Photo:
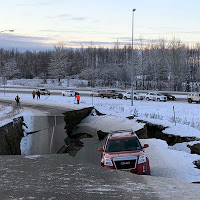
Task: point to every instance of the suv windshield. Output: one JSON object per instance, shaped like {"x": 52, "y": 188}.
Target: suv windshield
{"x": 123, "y": 145}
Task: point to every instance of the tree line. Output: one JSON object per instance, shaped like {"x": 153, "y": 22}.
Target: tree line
{"x": 162, "y": 65}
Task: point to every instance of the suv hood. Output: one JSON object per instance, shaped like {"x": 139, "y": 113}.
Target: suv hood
{"x": 124, "y": 154}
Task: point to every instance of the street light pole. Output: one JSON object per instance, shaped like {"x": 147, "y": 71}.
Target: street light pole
{"x": 132, "y": 59}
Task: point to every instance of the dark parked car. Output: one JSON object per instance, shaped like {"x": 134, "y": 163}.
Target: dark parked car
{"x": 169, "y": 96}
{"x": 110, "y": 94}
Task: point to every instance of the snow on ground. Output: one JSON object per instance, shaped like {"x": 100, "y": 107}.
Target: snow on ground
{"x": 186, "y": 123}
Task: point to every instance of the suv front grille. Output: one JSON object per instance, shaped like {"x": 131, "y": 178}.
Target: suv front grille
{"x": 125, "y": 163}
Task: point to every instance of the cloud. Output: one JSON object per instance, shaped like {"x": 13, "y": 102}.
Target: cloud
{"x": 68, "y": 17}
{"x": 91, "y": 32}
{"x": 168, "y": 30}
{"x": 24, "y": 43}
{"x": 78, "y": 18}
{"x": 56, "y": 31}
{"x": 61, "y": 16}
{"x": 37, "y": 3}
{"x": 88, "y": 43}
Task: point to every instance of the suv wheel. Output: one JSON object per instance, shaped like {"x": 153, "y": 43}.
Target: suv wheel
{"x": 125, "y": 98}
{"x": 135, "y": 98}
{"x": 158, "y": 99}
{"x": 189, "y": 100}
{"x": 102, "y": 96}
{"x": 63, "y": 95}
{"x": 147, "y": 98}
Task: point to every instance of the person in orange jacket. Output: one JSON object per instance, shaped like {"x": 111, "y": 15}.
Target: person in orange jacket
{"x": 78, "y": 98}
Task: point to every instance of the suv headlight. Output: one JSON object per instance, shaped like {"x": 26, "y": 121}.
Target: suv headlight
{"x": 142, "y": 159}
{"x": 108, "y": 162}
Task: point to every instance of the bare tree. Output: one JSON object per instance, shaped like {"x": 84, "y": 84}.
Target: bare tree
{"x": 178, "y": 65}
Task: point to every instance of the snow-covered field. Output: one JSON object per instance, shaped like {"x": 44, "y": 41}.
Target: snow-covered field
{"x": 181, "y": 119}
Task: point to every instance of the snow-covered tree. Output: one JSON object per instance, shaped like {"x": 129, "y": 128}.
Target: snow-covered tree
{"x": 10, "y": 69}
{"x": 59, "y": 63}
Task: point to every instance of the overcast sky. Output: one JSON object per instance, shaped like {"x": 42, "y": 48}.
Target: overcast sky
{"x": 40, "y": 24}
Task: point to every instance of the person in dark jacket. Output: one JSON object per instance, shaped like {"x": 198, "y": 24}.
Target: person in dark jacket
{"x": 17, "y": 98}
{"x": 75, "y": 94}
{"x": 38, "y": 94}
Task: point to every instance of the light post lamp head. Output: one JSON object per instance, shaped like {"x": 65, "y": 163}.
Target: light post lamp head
{"x": 134, "y": 9}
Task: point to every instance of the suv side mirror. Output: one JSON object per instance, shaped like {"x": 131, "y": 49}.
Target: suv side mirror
{"x": 100, "y": 149}
{"x": 145, "y": 146}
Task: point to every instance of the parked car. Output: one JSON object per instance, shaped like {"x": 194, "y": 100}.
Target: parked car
{"x": 119, "y": 95}
{"x": 193, "y": 97}
{"x": 68, "y": 93}
{"x": 136, "y": 96}
{"x": 155, "y": 96}
{"x": 169, "y": 96}
{"x": 110, "y": 94}
{"x": 122, "y": 150}
{"x": 44, "y": 91}
{"x": 94, "y": 93}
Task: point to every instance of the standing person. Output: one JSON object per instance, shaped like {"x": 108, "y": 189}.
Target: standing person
{"x": 75, "y": 95}
{"x": 38, "y": 94}
{"x": 33, "y": 93}
{"x": 17, "y": 98}
{"x": 78, "y": 98}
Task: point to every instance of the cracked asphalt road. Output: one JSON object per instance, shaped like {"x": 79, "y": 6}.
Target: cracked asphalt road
{"x": 60, "y": 176}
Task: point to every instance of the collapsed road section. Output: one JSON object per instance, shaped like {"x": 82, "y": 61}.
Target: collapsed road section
{"x": 42, "y": 135}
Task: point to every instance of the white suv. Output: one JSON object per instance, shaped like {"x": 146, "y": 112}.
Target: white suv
{"x": 68, "y": 93}
{"x": 136, "y": 96}
{"x": 155, "y": 96}
{"x": 44, "y": 91}
{"x": 193, "y": 97}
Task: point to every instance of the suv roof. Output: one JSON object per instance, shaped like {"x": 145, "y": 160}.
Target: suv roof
{"x": 121, "y": 134}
